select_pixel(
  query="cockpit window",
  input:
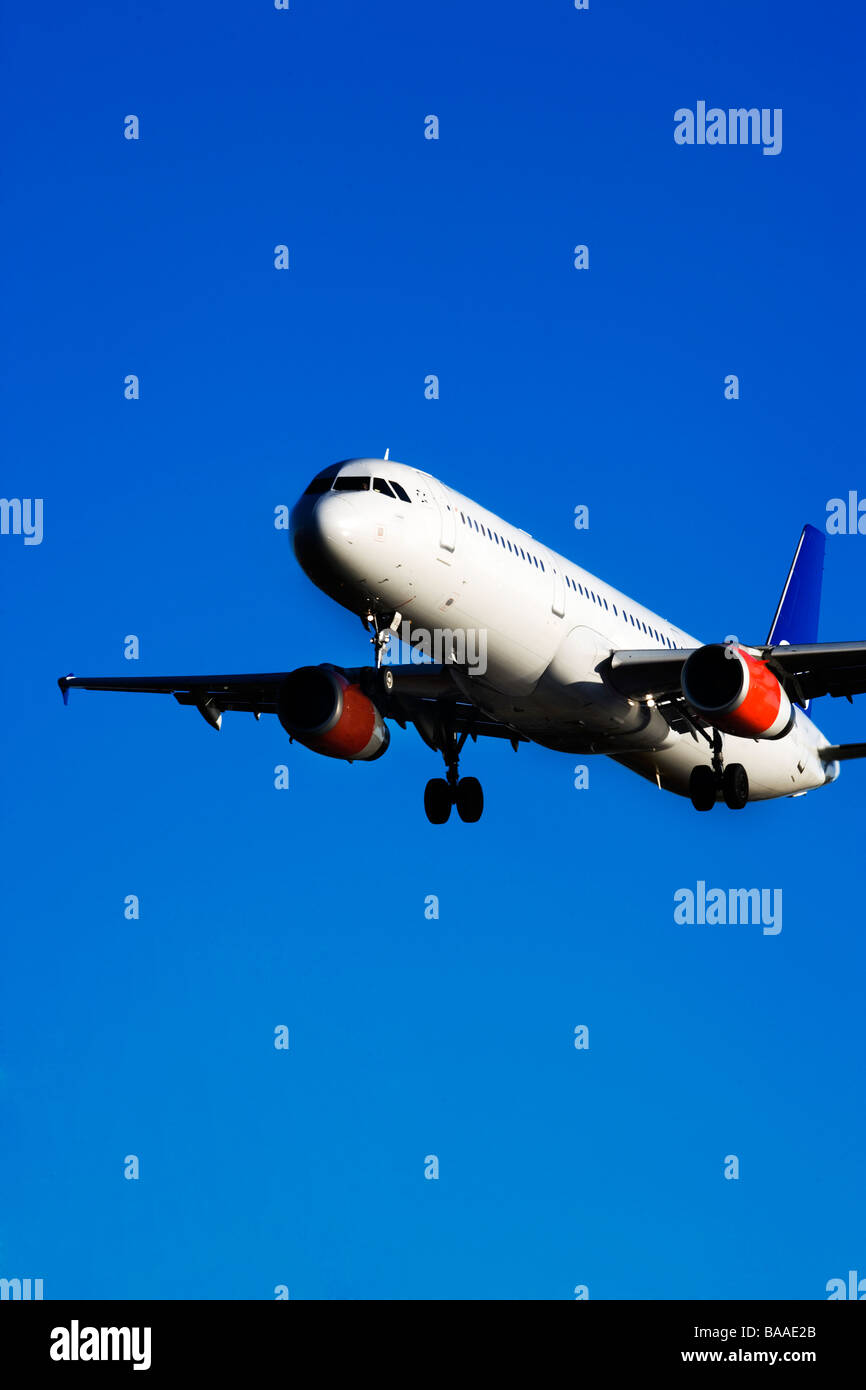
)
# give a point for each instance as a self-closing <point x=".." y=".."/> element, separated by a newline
<point x="401" y="492"/>
<point x="379" y="485"/>
<point x="319" y="485"/>
<point x="323" y="479"/>
<point x="352" y="483"/>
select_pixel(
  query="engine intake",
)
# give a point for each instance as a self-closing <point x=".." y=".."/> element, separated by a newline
<point x="736" y="693"/>
<point x="324" y="711"/>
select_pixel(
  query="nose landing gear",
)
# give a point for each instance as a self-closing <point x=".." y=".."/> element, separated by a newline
<point x="382" y="632"/>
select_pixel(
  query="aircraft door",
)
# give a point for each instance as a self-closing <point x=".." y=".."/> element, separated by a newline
<point x="558" y="594"/>
<point x="447" y="525"/>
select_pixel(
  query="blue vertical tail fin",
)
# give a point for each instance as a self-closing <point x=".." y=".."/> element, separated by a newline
<point x="796" y="617"/>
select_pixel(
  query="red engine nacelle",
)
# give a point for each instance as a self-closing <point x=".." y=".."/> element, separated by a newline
<point x="320" y="708"/>
<point x="735" y="692"/>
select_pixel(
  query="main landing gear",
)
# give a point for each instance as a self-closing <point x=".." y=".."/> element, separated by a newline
<point x="441" y="793"/>
<point x="732" y="781"/>
<point x="465" y="793"/>
<point x="437" y="729"/>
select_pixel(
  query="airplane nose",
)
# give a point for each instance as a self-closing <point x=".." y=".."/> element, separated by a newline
<point x="321" y="529"/>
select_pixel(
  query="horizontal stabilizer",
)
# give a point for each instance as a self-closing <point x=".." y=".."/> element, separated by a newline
<point x="841" y="751"/>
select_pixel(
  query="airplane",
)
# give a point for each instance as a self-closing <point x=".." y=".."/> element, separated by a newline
<point x="569" y="662"/>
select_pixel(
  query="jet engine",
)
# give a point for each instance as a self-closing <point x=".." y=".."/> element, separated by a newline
<point x="324" y="711"/>
<point x="735" y="692"/>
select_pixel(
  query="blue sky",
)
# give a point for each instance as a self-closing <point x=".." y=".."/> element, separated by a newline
<point x="305" y="907"/>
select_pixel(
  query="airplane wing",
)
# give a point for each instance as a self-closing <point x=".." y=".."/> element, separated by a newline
<point x="643" y="675"/>
<point x="424" y="695"/>
<point x="806" y="671"/>
<point x="819" y="668"/>
<point x="211" y="695"/>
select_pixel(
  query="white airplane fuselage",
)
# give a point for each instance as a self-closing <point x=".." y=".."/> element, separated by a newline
<point x="443" y="562"/>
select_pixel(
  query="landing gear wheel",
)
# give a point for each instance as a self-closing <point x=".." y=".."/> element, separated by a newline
<point x="437" y="800"/>
<point x="702" y="788"/>
<point x="453" y="790"/>
<point x="470" y="799"/>
<point x="735" y="786"/>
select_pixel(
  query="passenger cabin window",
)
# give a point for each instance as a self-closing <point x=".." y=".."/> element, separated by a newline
<point x="352" y="484"/>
